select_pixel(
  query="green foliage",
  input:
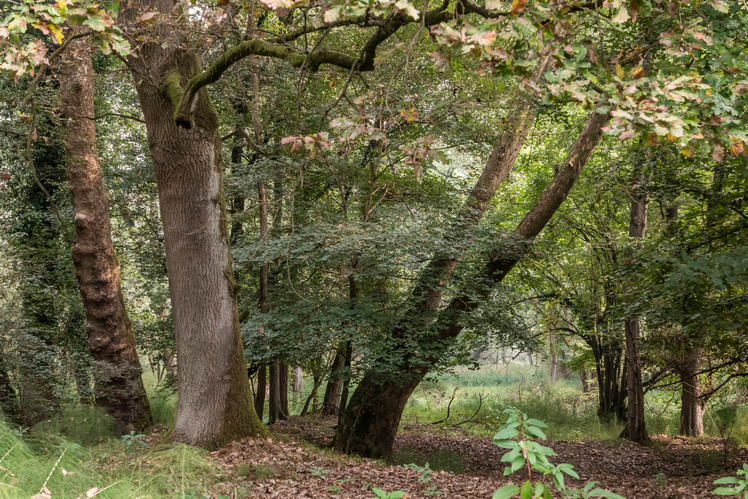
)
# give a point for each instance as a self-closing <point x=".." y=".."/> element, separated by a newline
<point x="133" y="442"/>
<point x="739" y="486"/>
<point x="319" y="472"/>
<point x="515" y="435"/>
<point x="381" y="494"/>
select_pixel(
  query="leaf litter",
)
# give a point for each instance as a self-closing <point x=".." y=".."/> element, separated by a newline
<point x="297" y="463"/>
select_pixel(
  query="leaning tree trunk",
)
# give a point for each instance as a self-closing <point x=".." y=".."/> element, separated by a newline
<point x="369" y="424"/>
<point x="635" y="425"/>
<point x="215" y="404"/>
<point x="117" y="374"/>
<point x="692" y="405"/>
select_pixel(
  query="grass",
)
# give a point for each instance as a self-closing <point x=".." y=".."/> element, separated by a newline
<point x="481" y="396"/>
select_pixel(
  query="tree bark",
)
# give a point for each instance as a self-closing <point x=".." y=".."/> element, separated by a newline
<point x="215" y="405"/>
<point x="331" y="402"/>
<point x="117" y="373"/>
<point x="283" y="389"/>
<point x="554" y="357"/>
<point x="298" y="379"/>
<point x="347" y="380"/>
<point x="262" y="387"/>
<point x="274" y="401"/>
<point x="371" y="419"/>
<point x="692" y="406"/>
<point x="635" y="429"/>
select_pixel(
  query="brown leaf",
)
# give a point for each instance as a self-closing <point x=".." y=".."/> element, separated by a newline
<point x="518" y="6"/>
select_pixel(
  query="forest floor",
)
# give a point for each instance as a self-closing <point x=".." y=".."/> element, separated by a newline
<point x="296" y="464"/>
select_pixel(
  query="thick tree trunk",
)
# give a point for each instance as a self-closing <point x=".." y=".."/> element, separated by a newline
<point x="215" y="405"/>
<point x="635" y="425"/>
<point x="117" y="374"/>
<point x="692" y="406"/>
<point x="369" y="424"/>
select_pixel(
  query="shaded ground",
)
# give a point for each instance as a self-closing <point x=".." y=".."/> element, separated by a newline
<point x="290" y="467"/>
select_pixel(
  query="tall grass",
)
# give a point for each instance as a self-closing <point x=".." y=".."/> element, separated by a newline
<point x="479" y="397"/>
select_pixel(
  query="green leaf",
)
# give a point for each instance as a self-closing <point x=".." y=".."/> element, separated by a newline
<point x="526" y="491"/>
<point x="727" y="479"/>
<point x="506" y="433"/>
<point x="605" y="493"/>
<point x="536" y="422"/>
<point x="506" y="492"/>
<point x="95" y="23"/>
<point x="536" y="432"/>
<point x="724" y="491"/>
<point x="540" y="488"/>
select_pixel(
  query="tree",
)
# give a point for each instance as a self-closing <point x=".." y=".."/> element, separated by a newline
<point x="119" y="387"/>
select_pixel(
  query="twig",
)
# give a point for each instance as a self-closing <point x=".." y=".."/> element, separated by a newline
<point x="471" y="418"/>
<point x="448" y="407"/>
<point x="134" y="118"/>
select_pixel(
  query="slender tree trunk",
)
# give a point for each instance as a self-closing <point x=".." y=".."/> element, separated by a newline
<point x="554" y="357"/>
<point x="347" y="380"/>
<point x="583" y="379"/>
<point x="117" y="374"/>
<point x="262" y="387"/>
<point x="692" y="406"/>
<point x="298" y="379"/>
<point x="610" y="378"/>
<point x="635" y="425"/>
<point x="283" y="389"/>
<point x="274" y="401"/>
<point x="215" y="404"/>
<point x="373" y="414"/>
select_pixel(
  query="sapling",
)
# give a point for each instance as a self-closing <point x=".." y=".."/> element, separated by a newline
<point x="518" y="435"/>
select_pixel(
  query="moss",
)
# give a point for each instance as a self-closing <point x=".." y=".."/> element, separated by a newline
<point x="172" y="88"/>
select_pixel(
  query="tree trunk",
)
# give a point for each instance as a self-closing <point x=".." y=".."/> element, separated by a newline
<point x="331" y="403"/>
<point x="347" y="380"/>
<point x="610" y="378"/>
<point x="298" y="379"/>
<point x="215" y="405"/>
<point x="275" y="411"/>
<point x="283" y="389"/>
<point x="692" y="406"/>
<point x="371" y="419"/>
<point x="262" y="387"/>
<point x="8" y="400"/>
<point x="635" y="425"/>
<point x="554" y="357"/>
<point x="117" y="374"/>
